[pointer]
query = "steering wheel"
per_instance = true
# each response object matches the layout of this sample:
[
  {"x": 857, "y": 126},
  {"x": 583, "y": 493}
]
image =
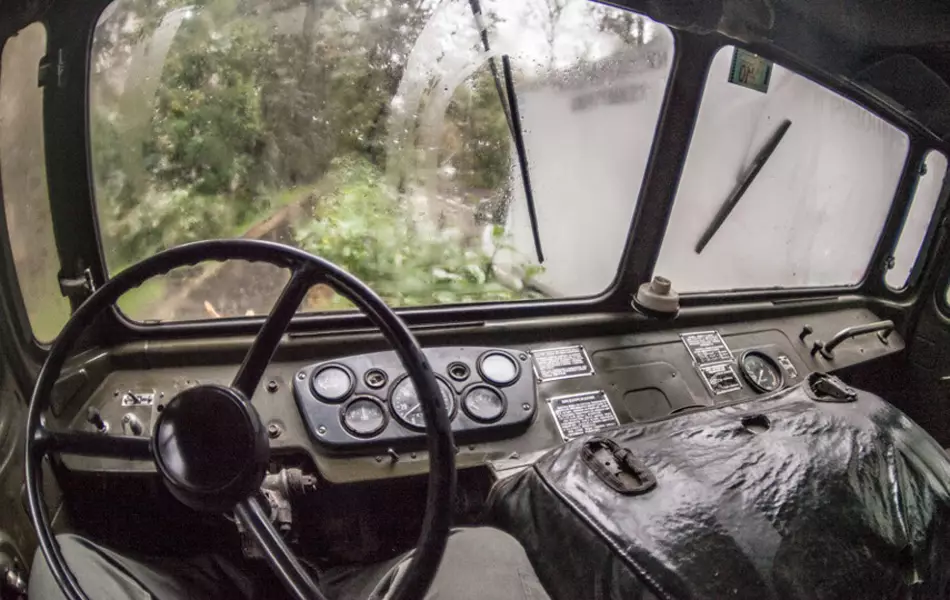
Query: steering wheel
[{"x": 208, "y": 443}]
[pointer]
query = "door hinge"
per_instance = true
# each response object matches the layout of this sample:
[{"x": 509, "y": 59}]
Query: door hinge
[
  {"x": 77, "y": 288},
  {"x": 50, "y": 72}
]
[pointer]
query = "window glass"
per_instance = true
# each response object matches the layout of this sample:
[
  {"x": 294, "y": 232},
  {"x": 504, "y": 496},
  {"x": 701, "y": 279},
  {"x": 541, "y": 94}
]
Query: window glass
[
  {"x": 929, "y": 184},
  {"x": 814, "y": 213},
  {"x": 23, "y": 175},
  {"x": 376, "y": 134}
]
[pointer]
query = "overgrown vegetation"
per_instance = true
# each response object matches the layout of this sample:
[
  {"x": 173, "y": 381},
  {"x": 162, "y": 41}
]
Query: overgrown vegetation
[{"x": 366, "y": 228}]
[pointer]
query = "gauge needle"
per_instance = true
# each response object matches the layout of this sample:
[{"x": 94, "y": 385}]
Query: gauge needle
[
  {"x": 412, "y": 410},
  {"x": 761, "y": 375}
]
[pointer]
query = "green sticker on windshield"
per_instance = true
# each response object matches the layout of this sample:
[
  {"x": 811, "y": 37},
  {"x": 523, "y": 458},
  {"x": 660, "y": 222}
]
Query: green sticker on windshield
[{"x": 750, "y": 70}]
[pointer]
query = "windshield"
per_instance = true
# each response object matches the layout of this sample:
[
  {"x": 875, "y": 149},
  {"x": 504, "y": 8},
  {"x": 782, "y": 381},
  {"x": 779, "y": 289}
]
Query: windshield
[
  {"x": 378, "y": 135},
  {"x": 786, "y": 184}
]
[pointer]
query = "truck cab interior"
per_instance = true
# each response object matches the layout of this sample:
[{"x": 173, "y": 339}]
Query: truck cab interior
[{"x": 302, "y": 292}]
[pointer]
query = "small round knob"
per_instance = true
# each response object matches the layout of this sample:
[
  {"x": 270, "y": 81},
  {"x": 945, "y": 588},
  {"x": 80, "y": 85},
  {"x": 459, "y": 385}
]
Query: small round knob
[
  {"x": 660, "y": 285},
  {"x": 656, "y": 298},
  {"x": 806, "y": 331}
]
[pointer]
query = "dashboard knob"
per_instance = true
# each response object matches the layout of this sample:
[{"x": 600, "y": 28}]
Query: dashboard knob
[
  {"x": 131, "y": 424},
  {"x": 806, "y": 331},
  {"x": 94, "y": 417}
]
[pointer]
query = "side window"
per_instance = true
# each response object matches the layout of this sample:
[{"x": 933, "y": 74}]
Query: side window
[
  {"x": 23, "y": 176},
  {"x": 914, "y": 232}
]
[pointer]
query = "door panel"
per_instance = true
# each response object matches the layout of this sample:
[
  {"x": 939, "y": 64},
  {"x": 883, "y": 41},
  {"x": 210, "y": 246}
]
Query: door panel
[
  {"x": 16, "y": 533},
  {"x": 927, "y": 371}
]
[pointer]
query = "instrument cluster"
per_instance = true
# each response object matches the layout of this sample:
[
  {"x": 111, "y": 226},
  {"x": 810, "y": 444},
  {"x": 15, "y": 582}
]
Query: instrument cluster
[{"x": 368, "y": 401}]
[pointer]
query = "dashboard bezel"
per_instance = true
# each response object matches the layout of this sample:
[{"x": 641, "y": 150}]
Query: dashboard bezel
[{"x": 323, "y": 419}]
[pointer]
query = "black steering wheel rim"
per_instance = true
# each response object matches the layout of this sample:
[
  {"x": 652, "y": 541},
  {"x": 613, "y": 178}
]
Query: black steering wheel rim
[{"x": 306, "y": 271}]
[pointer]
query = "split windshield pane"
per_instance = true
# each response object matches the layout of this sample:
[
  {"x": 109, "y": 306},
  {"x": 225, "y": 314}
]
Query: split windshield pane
[
  {"x": 375, "y": 134},
  {"x": 814, "y": 213}
]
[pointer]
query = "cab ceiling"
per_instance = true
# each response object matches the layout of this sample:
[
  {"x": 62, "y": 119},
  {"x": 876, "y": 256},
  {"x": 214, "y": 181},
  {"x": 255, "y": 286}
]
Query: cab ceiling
[{"x": 897, "y": 50}]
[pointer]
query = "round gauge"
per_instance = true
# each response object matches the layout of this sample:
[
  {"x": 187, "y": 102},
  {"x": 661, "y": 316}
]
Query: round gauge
[
  {"x": 364, "y": 417},
  {"x": 375, "y": 378},
  {"x": 332, "y": 383},
  {"x": 484, "y": 404},
  {"x": 407, "y": 408},
  {"x": 498, "y": 368},
  {"x": 761, "y": 371}
]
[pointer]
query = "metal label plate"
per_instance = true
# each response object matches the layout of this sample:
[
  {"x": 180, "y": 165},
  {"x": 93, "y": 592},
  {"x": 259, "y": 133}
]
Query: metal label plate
[
  {"x": 551, "y": 364},
  {"x": 583, "y": 413}
]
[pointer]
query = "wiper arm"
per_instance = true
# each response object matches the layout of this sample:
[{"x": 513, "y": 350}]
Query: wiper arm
[
  {"x": 509, "y": 105},
  {"x": 483, "y": 34},
  {"x": 743, "y": 185}
]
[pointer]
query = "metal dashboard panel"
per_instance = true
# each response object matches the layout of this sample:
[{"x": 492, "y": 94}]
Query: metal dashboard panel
[
  {"x": 324, "y": 418},
  {"x": 667, "y": 367},
  {"x": 645, "y": 374}
]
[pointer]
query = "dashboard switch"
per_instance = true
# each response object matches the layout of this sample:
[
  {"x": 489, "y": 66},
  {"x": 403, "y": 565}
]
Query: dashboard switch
[
  {"x": 94, "y": 418},
  {"x": 131, "y": 425}
]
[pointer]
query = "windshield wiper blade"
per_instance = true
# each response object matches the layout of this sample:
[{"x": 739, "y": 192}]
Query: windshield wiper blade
[
  {"x": 509, "y": 105},
  {"x": 743, "y": 185},
  {"x": 522, "y": 154}
]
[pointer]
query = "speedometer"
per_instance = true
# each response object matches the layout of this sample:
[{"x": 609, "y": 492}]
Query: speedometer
[{"x": 407, "y": 408}]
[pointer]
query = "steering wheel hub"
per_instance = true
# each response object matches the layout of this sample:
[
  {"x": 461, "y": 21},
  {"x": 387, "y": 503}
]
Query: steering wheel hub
[{"x": 210, "y": 447}]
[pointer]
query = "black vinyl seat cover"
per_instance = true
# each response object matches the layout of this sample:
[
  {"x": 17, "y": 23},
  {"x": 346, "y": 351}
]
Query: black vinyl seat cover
[{"x": 780, "y": 497}]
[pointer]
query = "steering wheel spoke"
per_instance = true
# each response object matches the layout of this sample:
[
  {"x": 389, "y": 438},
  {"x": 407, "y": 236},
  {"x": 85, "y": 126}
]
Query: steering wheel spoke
[
  {"x": 93, "y": 444},
  {"x": 249, "y": 374},
  {"x": 285, "y": 565}
]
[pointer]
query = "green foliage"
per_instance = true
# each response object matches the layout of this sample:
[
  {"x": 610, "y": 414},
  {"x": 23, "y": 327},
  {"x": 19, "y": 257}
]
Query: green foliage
[
  {"x": 366, "y": 228},
  {"x": 482, "y": 142},
  {"x": 163, "y": 219},
  {"x": 207, "y": 133}
]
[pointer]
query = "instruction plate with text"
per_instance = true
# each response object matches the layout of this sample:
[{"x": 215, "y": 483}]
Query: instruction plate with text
[
  {"x": 561, "y": 363},
  {"x": 581, "y": 414},
  {"x": 706, "y": 347}
]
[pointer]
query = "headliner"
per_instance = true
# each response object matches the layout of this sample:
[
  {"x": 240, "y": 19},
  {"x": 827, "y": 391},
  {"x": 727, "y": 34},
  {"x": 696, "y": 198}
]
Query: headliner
[{"x": 896, "y": 49}]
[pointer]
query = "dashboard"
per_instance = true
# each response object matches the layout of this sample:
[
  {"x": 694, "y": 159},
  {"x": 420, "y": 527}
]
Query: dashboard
[{"x": 514, "y": 389}]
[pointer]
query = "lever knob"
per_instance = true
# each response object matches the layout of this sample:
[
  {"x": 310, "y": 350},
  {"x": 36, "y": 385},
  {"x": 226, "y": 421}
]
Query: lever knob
[
  {"x": 95, "y": 419},
  {"x": 806, "y": 331},
  {"x": 131, "y": 424}
]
